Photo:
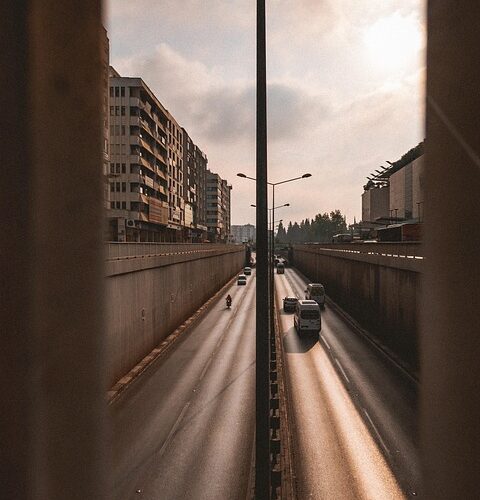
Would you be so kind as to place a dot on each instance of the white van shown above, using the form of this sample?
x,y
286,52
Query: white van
x,y
307,317
316,292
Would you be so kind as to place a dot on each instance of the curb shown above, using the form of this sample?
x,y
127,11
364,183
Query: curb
x,y
121,385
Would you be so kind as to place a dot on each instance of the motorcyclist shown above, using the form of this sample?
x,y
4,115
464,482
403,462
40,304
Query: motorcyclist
x,y
229,300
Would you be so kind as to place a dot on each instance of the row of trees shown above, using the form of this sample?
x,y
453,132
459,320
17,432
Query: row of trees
x,y
321,228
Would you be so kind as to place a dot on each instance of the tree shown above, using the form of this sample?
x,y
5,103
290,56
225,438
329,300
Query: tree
x,y
320,229
281,234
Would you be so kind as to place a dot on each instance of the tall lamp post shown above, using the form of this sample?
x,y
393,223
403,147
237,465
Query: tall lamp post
x,y
272,281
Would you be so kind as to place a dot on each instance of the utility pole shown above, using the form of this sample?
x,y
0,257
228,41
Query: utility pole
x,y
262,452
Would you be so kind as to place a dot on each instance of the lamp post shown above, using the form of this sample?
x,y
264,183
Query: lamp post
x,y
273,184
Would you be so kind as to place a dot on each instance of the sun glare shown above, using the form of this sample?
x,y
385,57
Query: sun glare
x,y
395,41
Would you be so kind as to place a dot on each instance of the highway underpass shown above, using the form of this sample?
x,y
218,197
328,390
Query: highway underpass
x,y
185,428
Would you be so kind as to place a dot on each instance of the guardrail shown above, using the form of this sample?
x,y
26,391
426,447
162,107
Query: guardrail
x,y
133,250
406,250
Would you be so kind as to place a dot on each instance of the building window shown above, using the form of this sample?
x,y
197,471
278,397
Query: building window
x,y
112,187
118,204
112,204
117,110
124,203
123,110
124,168
123,129
111,111
124,187
117,168
117,92
111,91
122,91
112,168
117,187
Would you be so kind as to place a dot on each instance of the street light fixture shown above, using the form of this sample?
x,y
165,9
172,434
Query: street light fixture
x,y
280,206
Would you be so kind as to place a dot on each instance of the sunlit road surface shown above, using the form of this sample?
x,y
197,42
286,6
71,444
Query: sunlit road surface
x,y
354,416
185,430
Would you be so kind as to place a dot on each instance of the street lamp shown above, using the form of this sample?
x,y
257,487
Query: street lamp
x,y
273,184
280,206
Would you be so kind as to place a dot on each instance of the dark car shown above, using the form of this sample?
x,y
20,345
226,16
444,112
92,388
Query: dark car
x,y
289,304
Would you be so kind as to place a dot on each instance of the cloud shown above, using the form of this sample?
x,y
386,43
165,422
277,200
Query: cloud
x,y
332,111
217,110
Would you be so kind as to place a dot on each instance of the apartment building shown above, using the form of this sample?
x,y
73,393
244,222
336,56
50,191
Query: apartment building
x,y
243,234
195,171
218,195
176,200
157,175
139,162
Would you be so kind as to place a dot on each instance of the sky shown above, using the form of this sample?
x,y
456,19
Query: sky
x,y
345,88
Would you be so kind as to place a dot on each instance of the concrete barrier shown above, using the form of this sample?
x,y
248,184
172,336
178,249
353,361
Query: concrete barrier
x,y
378,286
149,295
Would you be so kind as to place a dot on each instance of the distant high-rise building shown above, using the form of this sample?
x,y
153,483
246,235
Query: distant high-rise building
x,y
243,234
218,208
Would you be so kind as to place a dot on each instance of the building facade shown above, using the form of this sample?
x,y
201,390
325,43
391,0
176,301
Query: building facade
x,y
406,191
195,171
396,194
375,204
218,194
176,199
139,162
157,176
244,234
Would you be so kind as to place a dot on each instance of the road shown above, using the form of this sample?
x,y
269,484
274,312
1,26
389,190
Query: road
x,y
353,411
185,429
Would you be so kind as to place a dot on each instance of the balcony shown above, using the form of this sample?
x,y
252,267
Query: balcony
x,y
140,160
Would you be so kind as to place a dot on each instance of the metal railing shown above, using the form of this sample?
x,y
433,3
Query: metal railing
x,y
406,250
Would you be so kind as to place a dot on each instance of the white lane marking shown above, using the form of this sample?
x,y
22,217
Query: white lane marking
x,y
205,368
374,427
342,370
325,340
173,430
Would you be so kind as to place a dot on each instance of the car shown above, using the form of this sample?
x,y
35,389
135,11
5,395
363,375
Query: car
x,y
242,279
289,304
280,268
247,271
307,317
316,292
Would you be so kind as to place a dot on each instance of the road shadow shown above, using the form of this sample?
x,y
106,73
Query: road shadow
x,y
292,342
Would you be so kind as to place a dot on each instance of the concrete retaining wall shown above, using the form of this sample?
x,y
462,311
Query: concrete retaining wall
x,y
379,288
149,296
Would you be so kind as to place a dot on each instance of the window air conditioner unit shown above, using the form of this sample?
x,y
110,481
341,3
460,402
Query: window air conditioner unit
x,y
130,223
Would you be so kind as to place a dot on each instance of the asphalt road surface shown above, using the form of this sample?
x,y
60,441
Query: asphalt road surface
x,y
185,429
354,411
